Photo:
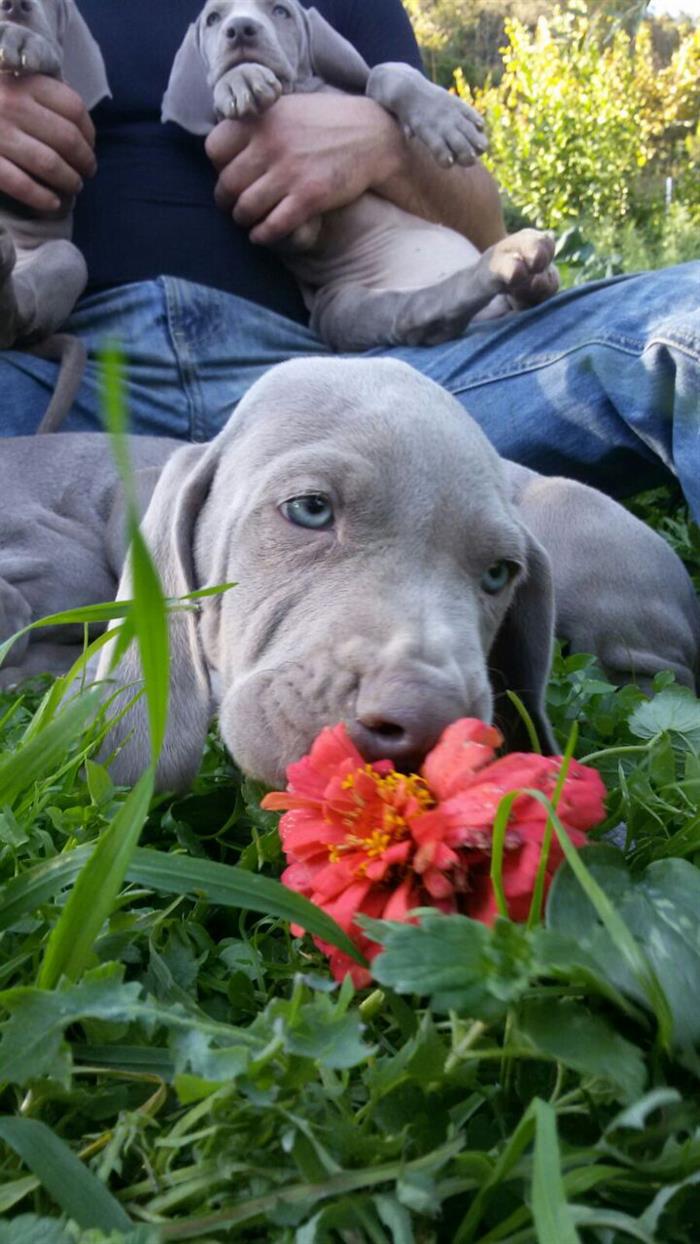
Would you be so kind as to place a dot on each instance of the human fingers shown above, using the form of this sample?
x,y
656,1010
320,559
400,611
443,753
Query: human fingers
x,y
226,141
291,212
18,185
60,98
50,146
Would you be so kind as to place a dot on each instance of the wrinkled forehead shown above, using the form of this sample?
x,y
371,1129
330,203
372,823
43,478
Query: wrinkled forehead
x,y
380,417
252,8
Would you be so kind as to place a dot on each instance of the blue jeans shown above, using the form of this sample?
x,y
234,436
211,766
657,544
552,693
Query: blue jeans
x,y
602,383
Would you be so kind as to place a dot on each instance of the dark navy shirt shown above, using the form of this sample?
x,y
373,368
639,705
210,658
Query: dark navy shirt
x,y
149,210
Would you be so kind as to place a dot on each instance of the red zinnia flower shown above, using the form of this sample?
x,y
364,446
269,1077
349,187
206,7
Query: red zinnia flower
x,y
362,838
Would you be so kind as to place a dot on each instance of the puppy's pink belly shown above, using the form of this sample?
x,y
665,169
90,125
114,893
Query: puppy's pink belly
x,y
378,245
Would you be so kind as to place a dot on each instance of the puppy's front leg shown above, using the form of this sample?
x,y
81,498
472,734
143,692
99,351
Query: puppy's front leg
x,y
451,130
246,91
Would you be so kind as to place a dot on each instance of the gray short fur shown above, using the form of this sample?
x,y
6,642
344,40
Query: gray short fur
x,y
379,621
42,274
371,273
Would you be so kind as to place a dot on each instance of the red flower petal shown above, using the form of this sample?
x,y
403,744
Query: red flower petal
x,y
361,838
463,749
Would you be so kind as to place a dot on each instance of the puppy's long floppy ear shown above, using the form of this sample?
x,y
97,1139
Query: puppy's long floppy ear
x,y
189,99
83,66
332,58
169,528
521,655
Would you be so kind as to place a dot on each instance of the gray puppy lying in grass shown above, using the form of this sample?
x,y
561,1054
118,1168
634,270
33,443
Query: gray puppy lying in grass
x,y
390,569
371,273
42,273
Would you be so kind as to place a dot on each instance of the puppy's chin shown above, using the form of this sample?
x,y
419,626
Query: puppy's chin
x,y
270,57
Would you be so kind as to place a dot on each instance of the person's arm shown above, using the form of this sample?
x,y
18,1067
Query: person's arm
x,y
311,153
46,141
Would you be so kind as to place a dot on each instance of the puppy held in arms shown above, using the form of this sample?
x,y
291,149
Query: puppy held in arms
x,y
42,274
371,273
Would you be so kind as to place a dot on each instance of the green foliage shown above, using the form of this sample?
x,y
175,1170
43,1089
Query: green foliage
x,y
585,123
206,1072
592,251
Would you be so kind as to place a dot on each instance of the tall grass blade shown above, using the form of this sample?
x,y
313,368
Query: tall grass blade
x,y
174,874
71,940
550,1209
79,1193
620,935
236,887
36,758
535,913
36,886
148,609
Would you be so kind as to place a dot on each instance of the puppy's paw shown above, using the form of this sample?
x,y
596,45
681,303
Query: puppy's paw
x,y
451,130
246,91
522,265
25,51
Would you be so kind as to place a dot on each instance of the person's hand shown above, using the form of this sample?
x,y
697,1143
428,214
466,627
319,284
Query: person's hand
x,y
304,156
46,141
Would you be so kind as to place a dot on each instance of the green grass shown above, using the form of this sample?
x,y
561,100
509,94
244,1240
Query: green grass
x,y
174,1065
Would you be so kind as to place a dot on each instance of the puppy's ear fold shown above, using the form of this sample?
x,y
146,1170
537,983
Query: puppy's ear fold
x,y
83,66
521,655
169,529
333,58
189,99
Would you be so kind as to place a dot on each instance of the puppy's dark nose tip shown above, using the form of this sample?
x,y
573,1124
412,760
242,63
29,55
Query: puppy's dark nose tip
x,y
403,741
242,32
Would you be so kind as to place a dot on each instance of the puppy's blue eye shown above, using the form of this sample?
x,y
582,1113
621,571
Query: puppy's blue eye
x,y
213,18
280,11
312,510
497,577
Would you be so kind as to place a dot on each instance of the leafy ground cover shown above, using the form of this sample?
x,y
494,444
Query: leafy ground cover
x,y
175,1065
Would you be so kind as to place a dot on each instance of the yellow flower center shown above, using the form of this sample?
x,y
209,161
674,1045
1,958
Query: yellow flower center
x,y
394,791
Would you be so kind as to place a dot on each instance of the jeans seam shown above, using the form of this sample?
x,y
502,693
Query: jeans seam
x,y
678,340
545,360
186,367
688,344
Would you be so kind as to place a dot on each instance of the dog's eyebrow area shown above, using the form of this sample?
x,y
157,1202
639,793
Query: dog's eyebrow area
x,y
344,475
487,543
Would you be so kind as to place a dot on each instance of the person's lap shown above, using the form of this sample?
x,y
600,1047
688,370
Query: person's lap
x,y
601,383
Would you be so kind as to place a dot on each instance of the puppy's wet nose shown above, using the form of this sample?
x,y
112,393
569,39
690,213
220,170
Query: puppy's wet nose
x,y
402,734
243,30
15,8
